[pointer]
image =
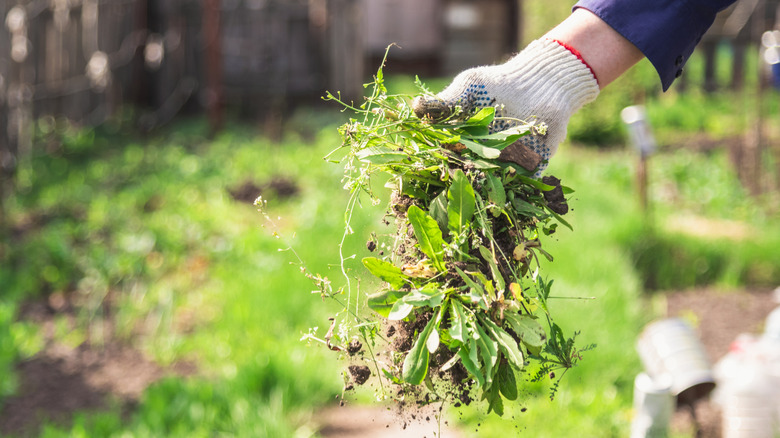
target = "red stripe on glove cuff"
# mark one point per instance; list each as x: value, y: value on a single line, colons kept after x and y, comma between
x: 576, y: 53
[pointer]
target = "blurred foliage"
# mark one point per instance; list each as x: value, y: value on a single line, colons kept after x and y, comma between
x: 146, y: 232
x: 148, y: 226
x: 682, y: 110
x: 674, y: 261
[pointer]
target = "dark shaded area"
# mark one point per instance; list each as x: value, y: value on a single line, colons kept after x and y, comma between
x: 279, y: 187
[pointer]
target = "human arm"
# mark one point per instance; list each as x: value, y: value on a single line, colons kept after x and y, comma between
x: 556, y: 75
x: 664, y: 31
x: 547, y: 82
x: 607, y: 52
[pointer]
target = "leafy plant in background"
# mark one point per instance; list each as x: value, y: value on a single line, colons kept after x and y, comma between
x: 462, y: 274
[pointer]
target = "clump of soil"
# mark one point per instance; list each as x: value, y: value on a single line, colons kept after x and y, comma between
x: 354, y: 347
x: 359, y: 373
x: 555, y: 199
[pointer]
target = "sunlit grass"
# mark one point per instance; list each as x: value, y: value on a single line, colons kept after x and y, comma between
x: 197, y: 276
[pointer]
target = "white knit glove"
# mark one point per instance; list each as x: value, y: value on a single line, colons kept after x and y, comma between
x: 545, y: 82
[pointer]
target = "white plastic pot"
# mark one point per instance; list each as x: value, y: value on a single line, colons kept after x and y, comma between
x: 670, y: 349
x: 653, y: 407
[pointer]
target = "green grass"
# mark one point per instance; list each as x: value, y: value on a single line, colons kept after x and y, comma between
x: 152, y: 225
x: 597, y: 260
x: 148, y: 224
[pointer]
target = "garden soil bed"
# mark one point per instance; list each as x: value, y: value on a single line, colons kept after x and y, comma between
x: 60, y: 380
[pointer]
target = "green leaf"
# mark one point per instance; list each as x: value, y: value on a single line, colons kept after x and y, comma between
x: 527, y: 209
x: 415, y: 365
x: 386, y: 271
x: 478, y: 299
x: 432, y: 344
x: 507, y: 384
x: 399, y: 311
x: 465, y: 354
x: 461, y: 202
x: 490, y: 259
x: 382, y: 302
x: 391, y: 377
x: 495, y: 403
x: 546, y: 254
x: 431, y: 297
x: 527, y: 329
x: 458, y: 329
x: 489, y: 350
x: 506, y: 343
x: 483, y: 117
x: 438, y: 210
x: 535, y: 183
x: 497, y: 137
x: 481, y: 150
x: 484, y: 165
x: 495, y: 190
x: 428, y: 235
x: 476, y: 287
x: 498, y: 140
x: 560, y: 219
x: 483, y: 224
x: 380, y: 155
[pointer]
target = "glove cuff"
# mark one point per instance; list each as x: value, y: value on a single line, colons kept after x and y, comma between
x: 553, y: 76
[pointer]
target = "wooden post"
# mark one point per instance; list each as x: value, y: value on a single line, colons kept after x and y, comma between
x: 753, y: 145
x: 520, y: 19
x: 641, y: 183
x: 738, y: 64
x: 6, y: 155
x: 641, y: 137
x: 709, y: 48
x: 345, y: 54
x: 213, y: 46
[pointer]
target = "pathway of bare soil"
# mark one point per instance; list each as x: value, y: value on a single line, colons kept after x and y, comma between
x: 381, y: 422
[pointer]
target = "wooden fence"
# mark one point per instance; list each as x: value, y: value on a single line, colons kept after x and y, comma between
x: 85, y: 59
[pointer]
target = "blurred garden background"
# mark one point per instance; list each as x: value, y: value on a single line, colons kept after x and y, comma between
x: 143, y: 294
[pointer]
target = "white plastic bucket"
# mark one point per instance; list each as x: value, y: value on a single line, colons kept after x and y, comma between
x: 653, y: 407
x: 669, y: 348
x: 748, y: 415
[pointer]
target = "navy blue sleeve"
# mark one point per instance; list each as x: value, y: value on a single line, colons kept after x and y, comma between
x: 665, y: 31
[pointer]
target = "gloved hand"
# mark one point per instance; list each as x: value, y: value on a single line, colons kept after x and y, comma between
x: 546, y: 81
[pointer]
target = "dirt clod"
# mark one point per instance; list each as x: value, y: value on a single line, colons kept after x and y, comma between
x: 354, y: 347
x: 555, y: 199
x: 521, y: 155
x: 359, y: 373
